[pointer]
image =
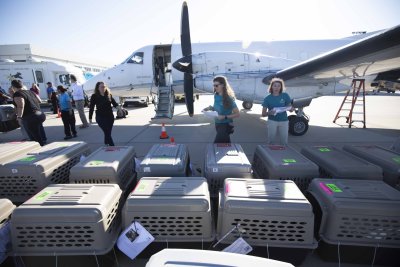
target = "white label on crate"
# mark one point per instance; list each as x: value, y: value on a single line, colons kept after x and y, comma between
x: 215, y: 169
x: 134, y: 240
x: 240, y: 246
x: 14, y: 170
x: 146, y: 169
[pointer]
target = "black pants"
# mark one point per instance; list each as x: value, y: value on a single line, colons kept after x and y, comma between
x: 222, y: 133
x: 106, y: 123
x: 33, y: 124
x: 69, y: 123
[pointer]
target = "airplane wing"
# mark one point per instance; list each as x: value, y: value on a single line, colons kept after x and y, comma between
x: 371, y: 55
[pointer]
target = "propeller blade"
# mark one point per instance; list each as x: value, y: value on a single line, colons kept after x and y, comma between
x: 188, y: 89
x: 185, y: 63
x: 185, y: 31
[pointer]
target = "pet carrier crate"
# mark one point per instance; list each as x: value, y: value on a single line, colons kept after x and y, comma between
x: 67, y: 219
x: 172, y: 209
x: 223, y: 161
x: 387, y: 159
x: 336, y: 163
x: 27, y: 174
x: 284, y: 163
x: 113, y: 164
x: 356, y: 216
x: 166, y: 160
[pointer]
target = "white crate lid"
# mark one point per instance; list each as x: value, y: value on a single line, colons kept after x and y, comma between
x: 272, y: 196
x: 85, y: 202
x: 193, y: 257
x: 106, y: 160
x: 170, y: 193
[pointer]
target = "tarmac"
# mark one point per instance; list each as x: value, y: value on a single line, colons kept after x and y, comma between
x: 142, y: 132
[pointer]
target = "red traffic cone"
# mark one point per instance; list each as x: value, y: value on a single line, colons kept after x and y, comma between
x: 172, y: 141
x: 164, y: 134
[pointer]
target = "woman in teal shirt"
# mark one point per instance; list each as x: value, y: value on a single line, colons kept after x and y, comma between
x: 273, y: 107
x: 225, y: 106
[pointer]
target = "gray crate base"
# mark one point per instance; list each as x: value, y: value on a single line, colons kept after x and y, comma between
x: 359, y: 255
x: 295, y: 256
x: 106, y: 260
x: 155, y: 247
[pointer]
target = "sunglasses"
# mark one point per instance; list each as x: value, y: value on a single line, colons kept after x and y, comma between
x: 217, y: 84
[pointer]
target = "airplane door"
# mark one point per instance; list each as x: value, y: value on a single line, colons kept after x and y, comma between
x: 39, y: 80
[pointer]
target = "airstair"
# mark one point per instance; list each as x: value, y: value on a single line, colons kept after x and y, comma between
x: 165, y: 103
x: 352, y: 100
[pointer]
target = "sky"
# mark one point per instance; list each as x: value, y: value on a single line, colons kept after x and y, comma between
x: 109, y: 31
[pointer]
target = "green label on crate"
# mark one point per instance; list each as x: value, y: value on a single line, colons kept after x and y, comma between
x: 141, y: 186
x: 334, y: 188
x: 31, y: 158
x: 96, y: 162
x: 289, y: 160
x: 396, y: 159
x: 43, y: 195
x: 324, y: 149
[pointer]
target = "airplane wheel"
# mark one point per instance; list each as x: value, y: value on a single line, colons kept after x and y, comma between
x: 297, y: 125
x: 247, y: 104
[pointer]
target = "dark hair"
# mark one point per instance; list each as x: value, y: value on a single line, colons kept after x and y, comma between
x: 61, y: 88
x: 17, y: 84
x: 106, y: 89
x: 227, y: 92
x: 73, y: 77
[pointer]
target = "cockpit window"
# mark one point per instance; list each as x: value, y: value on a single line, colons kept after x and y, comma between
x: 137, y: 58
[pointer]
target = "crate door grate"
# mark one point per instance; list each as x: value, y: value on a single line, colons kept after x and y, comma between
x: 50, y: 236
x: 173, y: 227
x: 17, y: 186
x: 60, y: 175
x: 380, y: 230
x: 273, y: 230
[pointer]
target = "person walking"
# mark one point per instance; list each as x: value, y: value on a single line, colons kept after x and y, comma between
x: 28, y: 112
x: 275, y: 106
x: 103, y: 101
x: 225, y: 106
x: 79, y: 97
x: 67, y: 113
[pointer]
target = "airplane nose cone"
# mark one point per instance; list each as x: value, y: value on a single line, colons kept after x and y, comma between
x: 184, y: 64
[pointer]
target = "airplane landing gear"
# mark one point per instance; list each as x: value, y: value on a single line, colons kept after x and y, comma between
x: 247, y: 104
x: 297, y: 125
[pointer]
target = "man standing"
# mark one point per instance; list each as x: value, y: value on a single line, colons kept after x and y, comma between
x: 79, y: 98
x: 49, y: 90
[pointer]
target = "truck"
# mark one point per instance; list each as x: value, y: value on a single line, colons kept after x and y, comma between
x: 40, y: 73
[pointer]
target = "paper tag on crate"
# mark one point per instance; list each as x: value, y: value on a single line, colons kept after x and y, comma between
x: 240, y: 246
x: 134, y: 240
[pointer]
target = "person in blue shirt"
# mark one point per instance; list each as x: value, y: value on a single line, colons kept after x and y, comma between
x: 67, y: 113
x: 275, y: 106
x: 225, y: 106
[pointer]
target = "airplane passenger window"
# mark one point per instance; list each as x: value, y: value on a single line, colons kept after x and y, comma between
x: 64, y: 79
x: 39, y: 76
x: 137, y: 58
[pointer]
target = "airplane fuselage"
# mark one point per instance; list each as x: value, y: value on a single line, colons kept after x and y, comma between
x: 244, y: 66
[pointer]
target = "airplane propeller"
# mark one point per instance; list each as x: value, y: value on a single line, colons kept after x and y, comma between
x: 184, y: 64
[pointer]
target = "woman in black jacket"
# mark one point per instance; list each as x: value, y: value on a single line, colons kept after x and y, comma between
x: 28, y: 112
x: 103, y: 101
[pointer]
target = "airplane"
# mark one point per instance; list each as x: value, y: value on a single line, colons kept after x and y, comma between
x: 188, y: 67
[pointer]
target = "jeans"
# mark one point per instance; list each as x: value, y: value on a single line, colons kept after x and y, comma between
x: 106, y: 123
x: 278, y: 127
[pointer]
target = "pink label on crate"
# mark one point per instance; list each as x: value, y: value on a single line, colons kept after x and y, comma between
x: 224, y: 145
x: 227, y: 189
x: 108, y: 149
x: 276, y: 147
x: 325, y: 188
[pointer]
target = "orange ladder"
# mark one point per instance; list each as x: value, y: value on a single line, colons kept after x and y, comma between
x: 357, y: 85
